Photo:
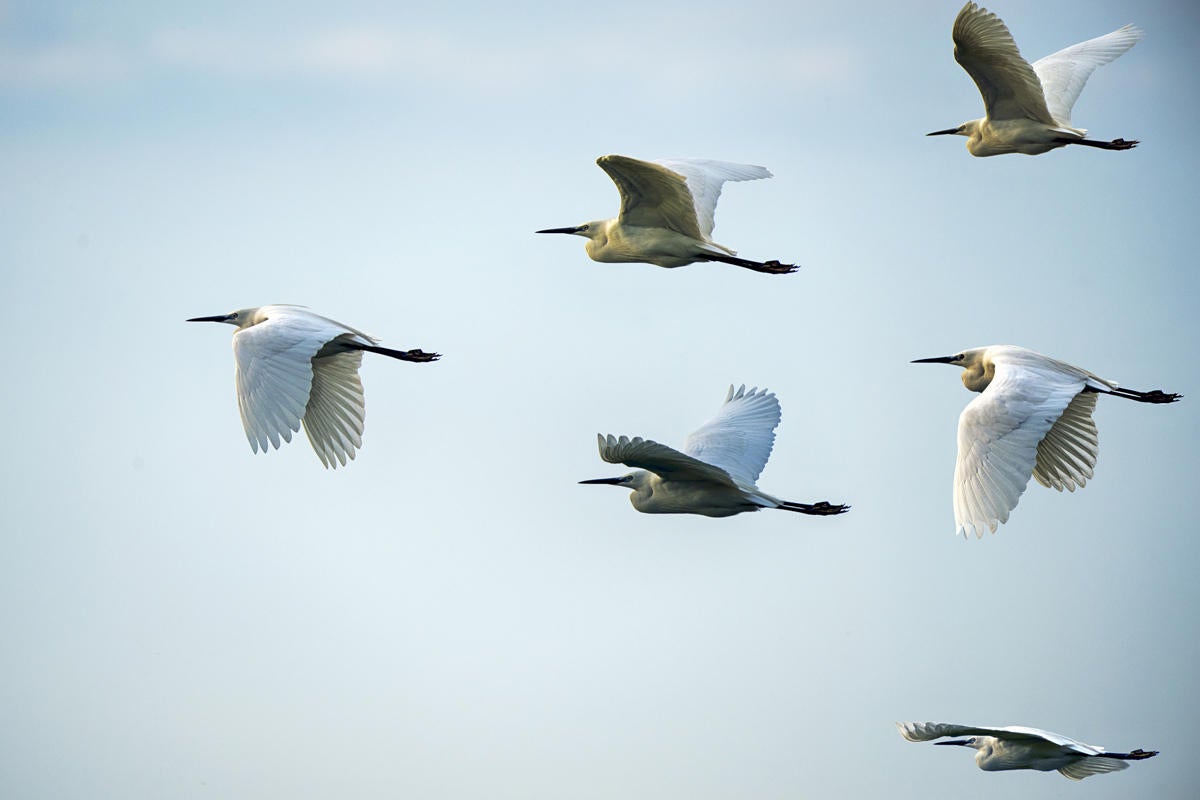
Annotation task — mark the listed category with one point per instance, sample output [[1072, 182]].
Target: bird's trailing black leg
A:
[[821, 509], [1115, 144], [771, 267], [1136, 755], [418, 356], [1152, 396]]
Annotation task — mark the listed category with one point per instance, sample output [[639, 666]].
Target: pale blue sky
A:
[[451, 616]]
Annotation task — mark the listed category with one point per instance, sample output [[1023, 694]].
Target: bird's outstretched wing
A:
[[1064, 73], [1000, 435], [739, 438], [680, 195], [705, 179], [336, 409], [986, 50], [928, 731], [664, 461]]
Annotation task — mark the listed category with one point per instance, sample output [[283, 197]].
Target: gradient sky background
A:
[[451, 616]]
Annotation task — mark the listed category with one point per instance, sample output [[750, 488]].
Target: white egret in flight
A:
[[1028, 106], [1016, 747], [295, 367], [716, 472], [666, 215], [1033, 417]]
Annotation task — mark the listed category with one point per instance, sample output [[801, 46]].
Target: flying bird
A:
[[1028, 106], [293, 367], [666, 215], [715, 473], [1033, 417], [1017, 747]]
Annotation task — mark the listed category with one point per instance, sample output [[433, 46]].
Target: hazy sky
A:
[[452, 616]]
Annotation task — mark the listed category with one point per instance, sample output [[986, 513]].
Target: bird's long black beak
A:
[[938, 360], [572, 229], [216, 318], [963, 742], [598, 481], [946, 132]]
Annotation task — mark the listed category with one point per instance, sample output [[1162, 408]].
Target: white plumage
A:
[[666, 215], [1018, 747], [1033, 417], [716, 474], [297, 368], [1028, 106]]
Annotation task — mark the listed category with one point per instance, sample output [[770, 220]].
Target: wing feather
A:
[[273, 377], [1000, 436], [739, 439], [1066, 457], [664, 461], [1063, 74], [986, 50], [336, 408], [1092, 766]]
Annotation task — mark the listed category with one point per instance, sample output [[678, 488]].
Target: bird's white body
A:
[[1033, 417], [666, 215], [1028, 106], [295, 367], [716, 472], [1017, 747]]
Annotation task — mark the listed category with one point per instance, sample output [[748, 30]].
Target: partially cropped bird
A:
[[294, 367], [666, 215], [1033, 417], [715, 473], [1016, 747], [1028, 106]]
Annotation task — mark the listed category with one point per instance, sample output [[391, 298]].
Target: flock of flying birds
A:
[[1033, 416]]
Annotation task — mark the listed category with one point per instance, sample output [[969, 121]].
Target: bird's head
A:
[[969, 129], [242, 318], [633, 480], [974, 742], [977, 370], [596, 231]]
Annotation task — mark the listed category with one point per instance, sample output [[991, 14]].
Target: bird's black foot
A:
[[420, 356], [1121, 144], [774, 267]]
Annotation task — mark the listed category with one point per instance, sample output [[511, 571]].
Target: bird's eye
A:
[[584, 227]]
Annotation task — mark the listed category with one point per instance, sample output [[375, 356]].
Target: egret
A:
[[716, 472], [666, 215], [1017, 747], [293, 367], [1033, 416], [1028, 106]]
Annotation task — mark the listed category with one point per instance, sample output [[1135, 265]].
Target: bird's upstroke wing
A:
[[928, 731], [1064, 73], [986, 50], [664, 461], [999, 434], [704, 180], [336, 409], [274, 375], [740, 437]]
